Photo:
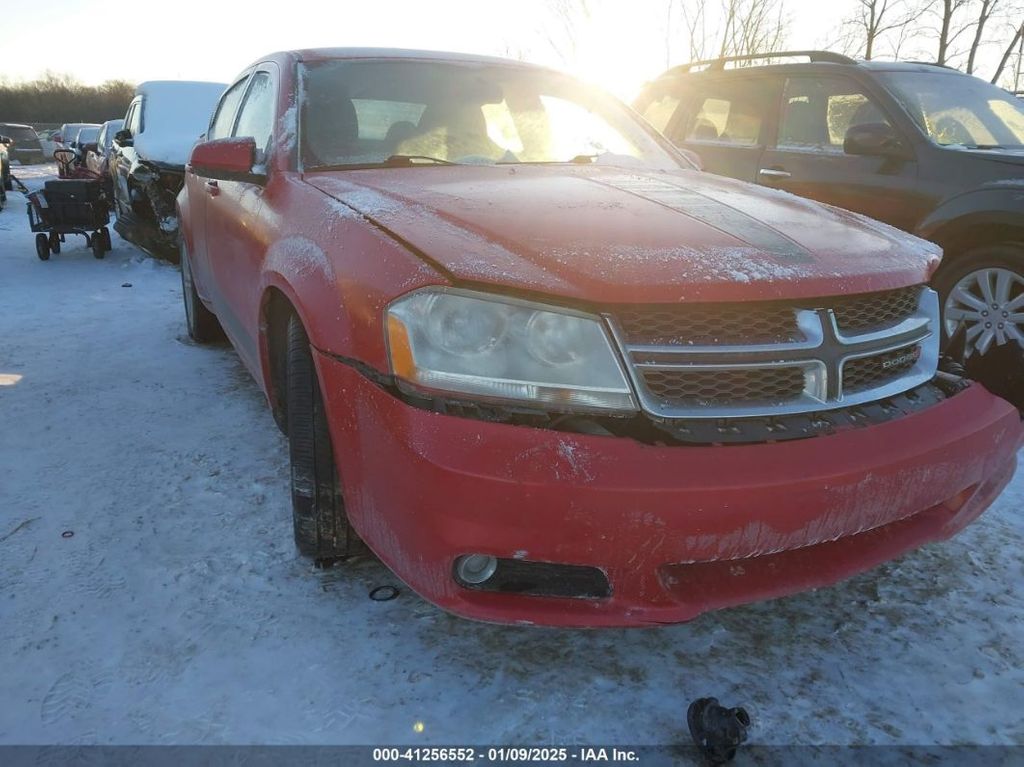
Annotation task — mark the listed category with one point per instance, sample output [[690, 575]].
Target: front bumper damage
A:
[[155, 187], [677, 530]]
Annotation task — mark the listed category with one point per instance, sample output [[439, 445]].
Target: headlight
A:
[[504, 349]]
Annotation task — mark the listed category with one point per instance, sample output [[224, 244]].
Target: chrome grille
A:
[[713, 361], [867, 372], [873, 310], [723, 387], [733, 324]]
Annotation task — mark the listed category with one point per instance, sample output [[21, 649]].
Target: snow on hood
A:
[[175, 114], [621, 235]]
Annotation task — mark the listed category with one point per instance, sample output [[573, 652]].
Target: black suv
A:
[[925, 148]]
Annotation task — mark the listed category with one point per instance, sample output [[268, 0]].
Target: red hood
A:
[[612, 235]]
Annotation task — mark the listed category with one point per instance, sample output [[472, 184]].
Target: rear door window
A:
[[256, 116], [730, 112], [224, 117], [818, 111]]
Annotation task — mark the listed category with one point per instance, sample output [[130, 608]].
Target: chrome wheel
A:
[[989, 304]]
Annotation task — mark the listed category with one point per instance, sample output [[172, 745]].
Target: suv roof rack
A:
[[719, 63], [930, 64]]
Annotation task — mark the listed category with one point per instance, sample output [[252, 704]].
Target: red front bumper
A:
[[678, 530]]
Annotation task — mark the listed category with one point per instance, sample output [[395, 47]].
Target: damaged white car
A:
[[163, 121]]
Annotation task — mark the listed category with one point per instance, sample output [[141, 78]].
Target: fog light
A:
[[475, 568]]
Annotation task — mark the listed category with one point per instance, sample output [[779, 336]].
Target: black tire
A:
[[96, 243], [1008, 256], [54, 243], [43, 247], [321, 527], [105, 235], [203, 325]]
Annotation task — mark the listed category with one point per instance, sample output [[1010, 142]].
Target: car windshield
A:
[[960, 111], [376, 113], [87, 135]]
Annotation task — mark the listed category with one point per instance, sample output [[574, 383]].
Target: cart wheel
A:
[[106, 239], [42, 247], [54, 243], [97, 245]]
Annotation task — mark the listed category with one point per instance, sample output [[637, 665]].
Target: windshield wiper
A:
[[405, 160], [394, 161]]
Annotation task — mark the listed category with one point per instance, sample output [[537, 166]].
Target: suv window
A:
[[818, 111], [224, 117], [730, 112], [256, 117]]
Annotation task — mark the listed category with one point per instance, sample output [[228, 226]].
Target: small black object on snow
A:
[[384, 594], [126, 284], [717, 731], [67, 534]]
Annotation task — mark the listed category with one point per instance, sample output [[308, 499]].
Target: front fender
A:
[[339, 280], [1000, 203]]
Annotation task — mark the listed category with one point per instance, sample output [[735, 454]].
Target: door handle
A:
[[212, 188], [774, 173]]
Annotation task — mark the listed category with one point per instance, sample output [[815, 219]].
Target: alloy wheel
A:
[[989, 303]]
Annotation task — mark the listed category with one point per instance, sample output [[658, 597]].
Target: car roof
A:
[[17, 125], [328, 54]]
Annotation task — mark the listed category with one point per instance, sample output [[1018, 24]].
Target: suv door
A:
[[237, 234], [725, 121], [808, 158]]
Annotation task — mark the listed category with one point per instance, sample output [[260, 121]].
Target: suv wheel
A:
[[318, 510], [983, 290]]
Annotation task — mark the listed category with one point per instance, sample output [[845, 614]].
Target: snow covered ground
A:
[[178, 611]]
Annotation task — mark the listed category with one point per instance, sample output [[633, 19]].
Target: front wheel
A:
[[982, 291], [318, 511]]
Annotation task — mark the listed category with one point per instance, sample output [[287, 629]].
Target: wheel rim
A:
[[186, 285], [989, 304]]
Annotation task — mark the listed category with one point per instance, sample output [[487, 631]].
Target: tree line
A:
[[60, 98]]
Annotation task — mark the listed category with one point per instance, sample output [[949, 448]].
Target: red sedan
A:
[[547, 370]]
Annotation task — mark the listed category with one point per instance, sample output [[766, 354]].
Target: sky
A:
[[211, 40]]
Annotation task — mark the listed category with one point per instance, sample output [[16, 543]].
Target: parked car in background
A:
[[97, 154], [26, 148], [147, 163], [614, 390], [86, 135], [922, 147], [68, 132]]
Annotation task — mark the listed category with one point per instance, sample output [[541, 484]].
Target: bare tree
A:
[[569, 20], [950, 28], [752, 26], [694, 16], [1016, 43], [985, 11], [874, 19]]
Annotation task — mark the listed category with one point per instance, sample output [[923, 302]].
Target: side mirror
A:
[[226, 159], [873, 140], [123, 138], [693, 157]]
